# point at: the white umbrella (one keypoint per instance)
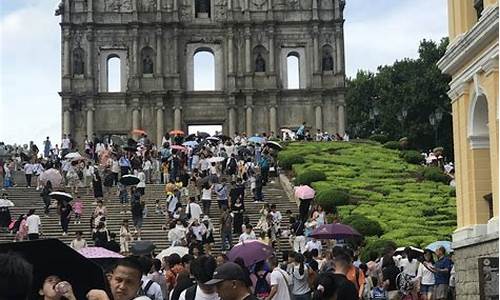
(216, 159)
(171, 250)
(72, 155)
(53, 176)
(6, 203)
(61, 196)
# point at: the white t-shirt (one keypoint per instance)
(206, 194)
(195, 210)
(313, 245)
(33, 222)
(200, 295)
(154, 289)
(247, 237)
(278, 278)
(65, 143)
(408, 267)
(78, 244)
(426, 276)
(142, 180)
(28, 168)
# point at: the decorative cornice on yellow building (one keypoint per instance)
(458, 90)
(490, 65)
(468, 45)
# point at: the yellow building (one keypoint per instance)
(472, 61)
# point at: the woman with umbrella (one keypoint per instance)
(65, 211)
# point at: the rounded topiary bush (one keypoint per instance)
(286, 161)
(381, 138)
(331, 198)
(392, 145)
(364, 225)
(309, 176)
(375, 248)
(412, 156)
(435, 174)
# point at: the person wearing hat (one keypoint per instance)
(229, 281)
(202, 268)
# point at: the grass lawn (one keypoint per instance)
(383, 187)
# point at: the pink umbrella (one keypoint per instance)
(178, 147)
(98, 252)
(53, 176)
(304, 192)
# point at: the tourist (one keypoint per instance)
(101, 235)
(300, 276)
(280, 282)
(175, 267)
(346, 288)
(314, 244)
(441, 270)
(149, 287)
(79, 242)
(124, 164)
(34, 225)
(206, 197)
(425, 275)
(123, 196)
(222, 193)
(156, 275)
(54, 288)
(73, 178)
(202, 269)
(65, 211)
(108, 183)
(230, 282)
(226, 221)
(198, 230)
(125, 237)
(208, 236)
(248, 235)
(100, 210)
(47, 145)
(409, 267)
(297, 235)
(237, 210)
(22, 228)
(177, 234)
(28, 172)
(261, 281)
(141, 186)
(193, 210)
(45, 194)
(389, 274)
(327, 287)
(97, 186)
(138, 216)
(77, 207)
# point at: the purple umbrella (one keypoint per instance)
(334, 231)
(251, 252)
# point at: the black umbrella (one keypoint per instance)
(191, 137)
(203, 135)
(129, 180)
(223, 137)
(274, 145)
(130, 148)
(61, 196)
(142, 248)
(53, 257)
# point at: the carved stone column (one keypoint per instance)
(160, 130)
(315, 34)
(341, 119)
(177, 113)
(174, 51)
(248, 51)
(231, 116)
(273, 120)
(66, 52)
(135, 115)
(159, 62)
(135, 51)
(319, 117)
(66, 116)
(230, 49)
(270, 31)
(90, 11)
(90, 119)
(249, 115)
(89, 67)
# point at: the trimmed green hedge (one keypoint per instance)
(435, 174)
(392, 145)
(364, 225)
(375, 248)
(331, 198)
(286, 161)
(309, 176)
(381, 138)
(412, 157)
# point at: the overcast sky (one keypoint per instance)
(377, 32)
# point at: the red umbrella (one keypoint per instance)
(334, 231)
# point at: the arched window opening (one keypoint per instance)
(293, 72)
(327, 58)
(202, 9)
(78, 61)
(479, 122)
(147, 55)
(260, 55)
(114, 74)
(204, 71)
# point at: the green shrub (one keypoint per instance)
(429, 212)
(309, 176)
(287, 160)
(374, 248)
(381, 138)
(412, 156)
(331, 198)
(392, 145)
(435, 174)
(364, 225)
(453, 193)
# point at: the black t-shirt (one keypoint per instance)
(346, 289)
(250, 297)
(390, 273)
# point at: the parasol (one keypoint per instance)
(181, 251)
(334, 231)
(129, 180)
(61, 196)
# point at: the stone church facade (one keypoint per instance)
(155, 42)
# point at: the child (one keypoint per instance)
(125, 237)
(378, 292)
(78, 209)
(78, 243)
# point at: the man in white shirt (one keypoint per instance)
(65, 145)
(34, 224)
(202, 269)
(150, 288)
(248, 235)
(193, 209)
(28, 172)
(280, 280)
(177, 234)
(314, 244)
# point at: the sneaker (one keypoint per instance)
(64, 233)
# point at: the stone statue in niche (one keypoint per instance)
(78, 64)
(327, 61)
(260, 63)
(147, 65)
(259, 4)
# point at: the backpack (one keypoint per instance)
(191, 293)
(311, 277)
(144, 291)
(262, 286)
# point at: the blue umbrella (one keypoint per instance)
(190, 144)
(434, 246)
(256, 139)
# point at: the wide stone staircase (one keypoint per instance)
(26, 198)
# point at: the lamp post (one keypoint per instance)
(401, 118)
(434, 119)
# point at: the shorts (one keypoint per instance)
(441, 291)
(426, 288)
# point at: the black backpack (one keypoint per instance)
(144, 291)
(191, 292)
(262, 287)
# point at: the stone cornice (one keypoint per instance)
(479, 142)
(465, 47)
(457, 90)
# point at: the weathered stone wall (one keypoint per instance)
(467, 267)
